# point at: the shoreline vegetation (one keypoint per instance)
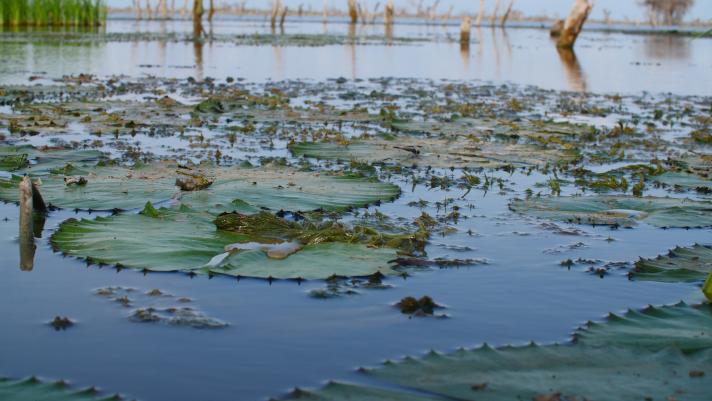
(52, 13)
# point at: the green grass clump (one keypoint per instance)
(52, 12)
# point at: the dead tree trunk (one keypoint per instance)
(493, 17)
(465, 30)
(283, 16)
(326, 11)
(197, 18)
(353, 11)
(481, 14)
(506, 14)
(388, 13)
(211, 11)
(276, 5)
(574, 23)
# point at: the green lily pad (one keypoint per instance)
(33, 389)
(186, 240)
(684, 181)
(618, 210)
(653, 353)
(107, 188)
(110, 188)
(288, 189)
(679, 265)
(707, 287)
(38, 162)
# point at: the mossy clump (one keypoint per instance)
(265, 227)
(425, 306)
(61, 323)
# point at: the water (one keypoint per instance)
(279, 337)
(603, 62)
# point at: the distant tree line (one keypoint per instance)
(667, 12)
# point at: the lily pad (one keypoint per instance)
(684, 181)
(33, 389)
(40, 162)
(107, 188)
(679, 265)
(288, 189)
(618, 210)
(650, 354)
(185, 240)
(110, 188)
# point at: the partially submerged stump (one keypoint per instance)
(556, 29)
(574, 23)
(353, 11)
(465, 30)
(388, 13)
(276, 5)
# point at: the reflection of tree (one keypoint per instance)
(667, 47)
(667, 12)
(572, 67)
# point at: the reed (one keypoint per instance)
(52, 12)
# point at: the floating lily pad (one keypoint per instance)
(679, 265)
(185, 240)
(109, 188)
(33, 389)
(684, 181)
(39, 162)
(288, 189)
(653, 353)
(618, 210)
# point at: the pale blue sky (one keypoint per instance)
(619, 8)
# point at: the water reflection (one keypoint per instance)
(668, 47)
(198, 56)
(573, 70)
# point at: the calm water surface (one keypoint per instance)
(279, 337)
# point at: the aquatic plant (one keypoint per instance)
(32, 389)
(679, 265)
(53, 12)
(660, 349)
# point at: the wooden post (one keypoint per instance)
(388, 13)
(574, 23)
(481, 14)
(465, 30)
(148, 9)
(505, 17)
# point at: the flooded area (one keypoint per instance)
(463, 145)
(603, 62)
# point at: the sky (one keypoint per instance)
(620, 9)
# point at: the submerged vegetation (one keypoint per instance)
(52, 13)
